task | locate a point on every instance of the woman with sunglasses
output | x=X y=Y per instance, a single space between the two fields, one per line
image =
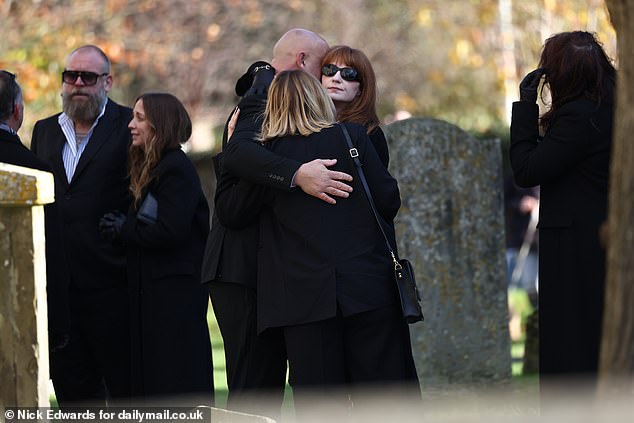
x=349 y=79
x=325 y=277
x=164 y=233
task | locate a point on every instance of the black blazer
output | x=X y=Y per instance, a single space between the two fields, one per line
x=571 y=165
x=231 y=250
x=99 y=185
x=12 y=151
x=246 y=159
x=315 y=257
x=380 y=145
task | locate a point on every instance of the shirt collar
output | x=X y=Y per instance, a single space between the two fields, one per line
x=5 y=127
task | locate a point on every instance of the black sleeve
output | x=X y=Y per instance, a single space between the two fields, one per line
x=536 y=162
x=247 y=159
x=237 y=202
x=380 y=145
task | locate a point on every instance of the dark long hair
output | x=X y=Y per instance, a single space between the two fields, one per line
x=362 y=109
x=171 y=127
x=576 y=66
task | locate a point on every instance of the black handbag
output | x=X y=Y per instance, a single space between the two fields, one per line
x=403 y=270
x=148 y=212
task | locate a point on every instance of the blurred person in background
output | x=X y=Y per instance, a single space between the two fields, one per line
x=521 y=206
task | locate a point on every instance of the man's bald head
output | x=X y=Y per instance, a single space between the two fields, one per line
x=300 y=49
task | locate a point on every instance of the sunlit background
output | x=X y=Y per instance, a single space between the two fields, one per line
x=456 y=60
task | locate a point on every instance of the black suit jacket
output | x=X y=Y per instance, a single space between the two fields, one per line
x=315 y=257
x=246 y=159
x=231 y=250
x=571 y=165
x=12 y=151
x=99 y=185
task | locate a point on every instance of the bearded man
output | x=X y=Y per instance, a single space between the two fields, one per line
x=87 y=148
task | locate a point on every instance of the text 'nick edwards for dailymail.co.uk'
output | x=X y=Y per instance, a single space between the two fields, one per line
x=99 y=414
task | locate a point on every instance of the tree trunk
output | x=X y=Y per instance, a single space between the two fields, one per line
x=617 y=349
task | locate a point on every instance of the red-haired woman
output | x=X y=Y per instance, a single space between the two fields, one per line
x=348 y=77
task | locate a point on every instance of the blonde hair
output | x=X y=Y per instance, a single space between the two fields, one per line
x=297 y=105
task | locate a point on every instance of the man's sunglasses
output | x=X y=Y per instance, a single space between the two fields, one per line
x=88 y=78
x=349 y=74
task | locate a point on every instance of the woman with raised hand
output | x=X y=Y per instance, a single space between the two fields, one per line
x=570 y=162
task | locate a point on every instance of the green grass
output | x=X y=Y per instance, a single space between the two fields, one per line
x=218 y=357
x=517 y=300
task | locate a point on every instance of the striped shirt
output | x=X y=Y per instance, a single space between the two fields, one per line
x=73 y=149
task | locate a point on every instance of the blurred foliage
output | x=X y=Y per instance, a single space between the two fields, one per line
x=433 y=58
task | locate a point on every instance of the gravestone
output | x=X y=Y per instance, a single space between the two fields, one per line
x=451 y=226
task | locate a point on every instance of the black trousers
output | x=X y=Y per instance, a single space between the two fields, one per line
x=341 y=357
x=256 y=364
x=94 y=368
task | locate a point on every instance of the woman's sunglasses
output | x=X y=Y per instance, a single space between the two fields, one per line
x=348 y=74
x=88 y=78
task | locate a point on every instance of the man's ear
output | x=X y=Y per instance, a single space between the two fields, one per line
x=300 y=60
x=108 y=83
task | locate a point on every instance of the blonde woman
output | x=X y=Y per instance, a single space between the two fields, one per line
x=325 y=275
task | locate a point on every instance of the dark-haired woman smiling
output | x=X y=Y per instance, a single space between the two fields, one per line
x=571 y=165
x=164 y=234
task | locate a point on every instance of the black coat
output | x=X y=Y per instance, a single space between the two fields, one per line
x=99 y=185
x=231 y=250
x=380 y=145
x=171 y=347
x=314 y=256
x=571 y=165
x=12 y=151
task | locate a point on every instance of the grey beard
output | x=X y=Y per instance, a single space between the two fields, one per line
x=84 y=111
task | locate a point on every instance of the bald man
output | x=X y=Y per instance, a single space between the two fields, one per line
x=86 y=147
x=256 y=364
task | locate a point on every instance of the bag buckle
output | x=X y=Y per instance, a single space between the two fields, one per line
x=354 y=153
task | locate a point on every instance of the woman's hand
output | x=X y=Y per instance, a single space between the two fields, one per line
x=529 y=85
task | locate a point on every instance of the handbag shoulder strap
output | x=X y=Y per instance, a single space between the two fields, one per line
x=355 y=158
